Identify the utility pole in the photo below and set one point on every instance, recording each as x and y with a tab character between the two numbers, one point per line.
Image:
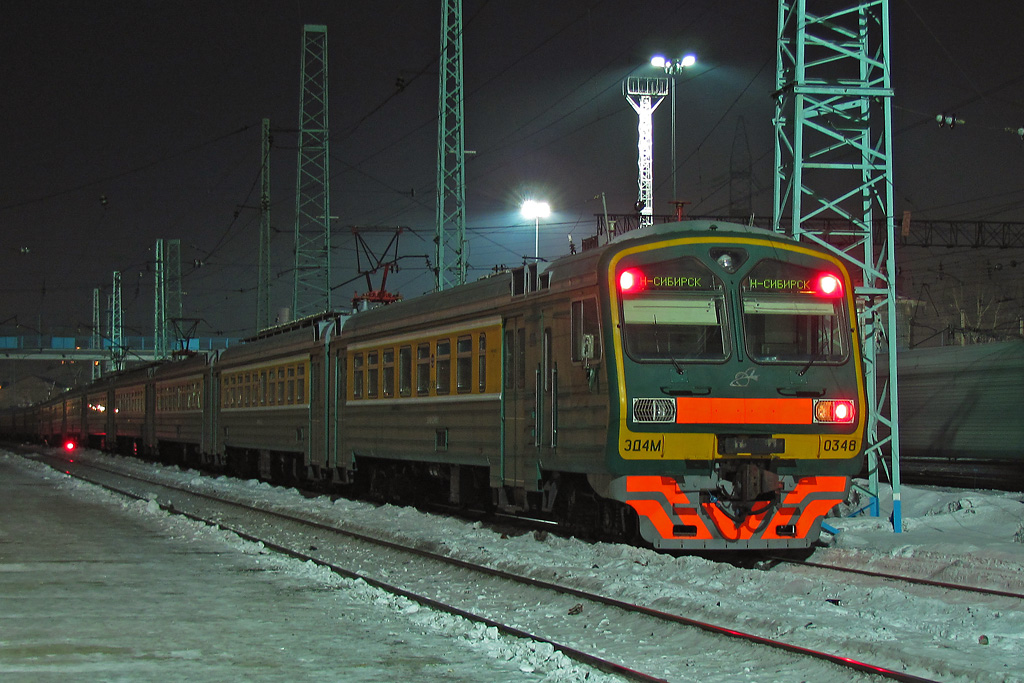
833	157
450	239
312	291
645	94
263	267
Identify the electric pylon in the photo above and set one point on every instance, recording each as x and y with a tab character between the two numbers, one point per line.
833	159
312	291
645	94
450	239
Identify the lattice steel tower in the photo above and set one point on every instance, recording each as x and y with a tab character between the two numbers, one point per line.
263	266
159	305
833	160
645	94
312	292
115	326
450	239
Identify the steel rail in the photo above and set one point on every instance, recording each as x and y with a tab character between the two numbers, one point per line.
902	579
845	662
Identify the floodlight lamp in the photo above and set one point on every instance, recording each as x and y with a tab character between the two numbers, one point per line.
689	60
658	62
534	209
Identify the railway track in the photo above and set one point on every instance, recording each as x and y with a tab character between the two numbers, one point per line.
633	641
898	578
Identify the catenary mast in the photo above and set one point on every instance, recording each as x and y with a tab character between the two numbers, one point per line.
450	238
833	160
312	292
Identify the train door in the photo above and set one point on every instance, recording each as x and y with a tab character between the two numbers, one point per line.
520	409
317	448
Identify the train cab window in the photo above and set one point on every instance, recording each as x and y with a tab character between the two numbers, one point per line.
357	375
444	367
405	371
423	369
464	365
789	317
388	373
372	374
481	362
673	312
585	324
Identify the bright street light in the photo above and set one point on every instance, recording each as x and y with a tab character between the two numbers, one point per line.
536	210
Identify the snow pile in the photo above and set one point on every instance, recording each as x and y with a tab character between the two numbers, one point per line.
949	535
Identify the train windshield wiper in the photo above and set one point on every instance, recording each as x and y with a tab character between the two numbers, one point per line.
657	348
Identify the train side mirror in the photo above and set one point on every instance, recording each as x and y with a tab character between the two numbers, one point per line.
587	349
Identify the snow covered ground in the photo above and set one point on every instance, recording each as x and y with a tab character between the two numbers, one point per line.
950	535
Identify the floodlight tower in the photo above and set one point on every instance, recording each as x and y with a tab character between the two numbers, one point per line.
645	94
833	159
450	240
312	291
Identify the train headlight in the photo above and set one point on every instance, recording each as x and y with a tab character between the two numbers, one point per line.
654	410
834	411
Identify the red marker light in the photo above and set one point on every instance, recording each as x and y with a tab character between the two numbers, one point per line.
631	280
69	445
829	285
834	411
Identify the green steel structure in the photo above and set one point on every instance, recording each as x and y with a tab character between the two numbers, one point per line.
833	159
450	239
116	329
97	330
159	304
312	291
263	277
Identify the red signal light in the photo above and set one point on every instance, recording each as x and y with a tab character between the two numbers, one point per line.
69	445
829	285
836	411
631	280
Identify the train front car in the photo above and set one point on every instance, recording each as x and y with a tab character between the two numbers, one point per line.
738	405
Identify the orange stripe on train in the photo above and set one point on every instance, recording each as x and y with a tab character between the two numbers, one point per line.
780	411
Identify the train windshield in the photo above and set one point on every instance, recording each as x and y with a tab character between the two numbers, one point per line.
793	314
673	312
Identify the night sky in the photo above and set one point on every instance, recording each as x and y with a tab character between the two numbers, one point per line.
130	121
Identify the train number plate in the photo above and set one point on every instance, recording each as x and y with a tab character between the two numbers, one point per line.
655	445
842	445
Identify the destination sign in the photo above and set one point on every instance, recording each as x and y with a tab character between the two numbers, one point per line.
666	277
778	285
